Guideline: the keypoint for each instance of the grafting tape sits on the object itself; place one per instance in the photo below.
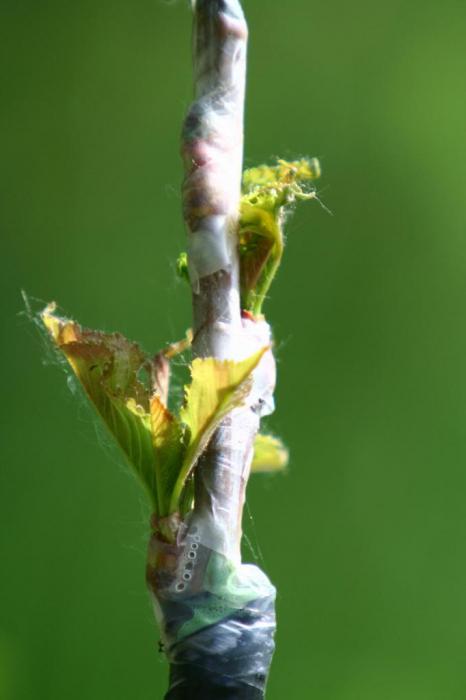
(218, 623)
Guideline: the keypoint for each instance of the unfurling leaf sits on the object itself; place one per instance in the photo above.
(161, 448)
(270, 454)
(267, 191)
(169, 448)
(217, 387)
(106, 366)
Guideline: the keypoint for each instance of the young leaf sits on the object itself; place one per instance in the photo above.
(168, 443)
(106, 366)
(270, 454)
(267, 191)
(217, 387)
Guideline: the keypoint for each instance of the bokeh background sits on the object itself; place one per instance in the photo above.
(365, 536)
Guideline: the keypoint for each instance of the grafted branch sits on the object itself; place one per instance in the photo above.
(216, 615)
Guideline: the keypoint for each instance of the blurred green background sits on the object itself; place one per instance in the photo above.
(365, 537)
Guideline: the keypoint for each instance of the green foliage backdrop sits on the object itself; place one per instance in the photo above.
(365, 537)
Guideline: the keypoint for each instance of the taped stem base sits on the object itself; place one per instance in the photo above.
(217, 619)
(193, 683)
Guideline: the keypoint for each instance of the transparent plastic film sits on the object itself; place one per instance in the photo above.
(216, 616)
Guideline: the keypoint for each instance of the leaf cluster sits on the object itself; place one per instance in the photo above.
(268, 192)
(162, 447)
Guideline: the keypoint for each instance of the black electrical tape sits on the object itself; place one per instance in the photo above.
(228, 660)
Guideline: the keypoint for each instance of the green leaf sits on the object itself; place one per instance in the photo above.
(182, 267)
(267, 192)
(168, 439)
(217, 387)
(161, 448)
(106, 365)
(270, 454)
